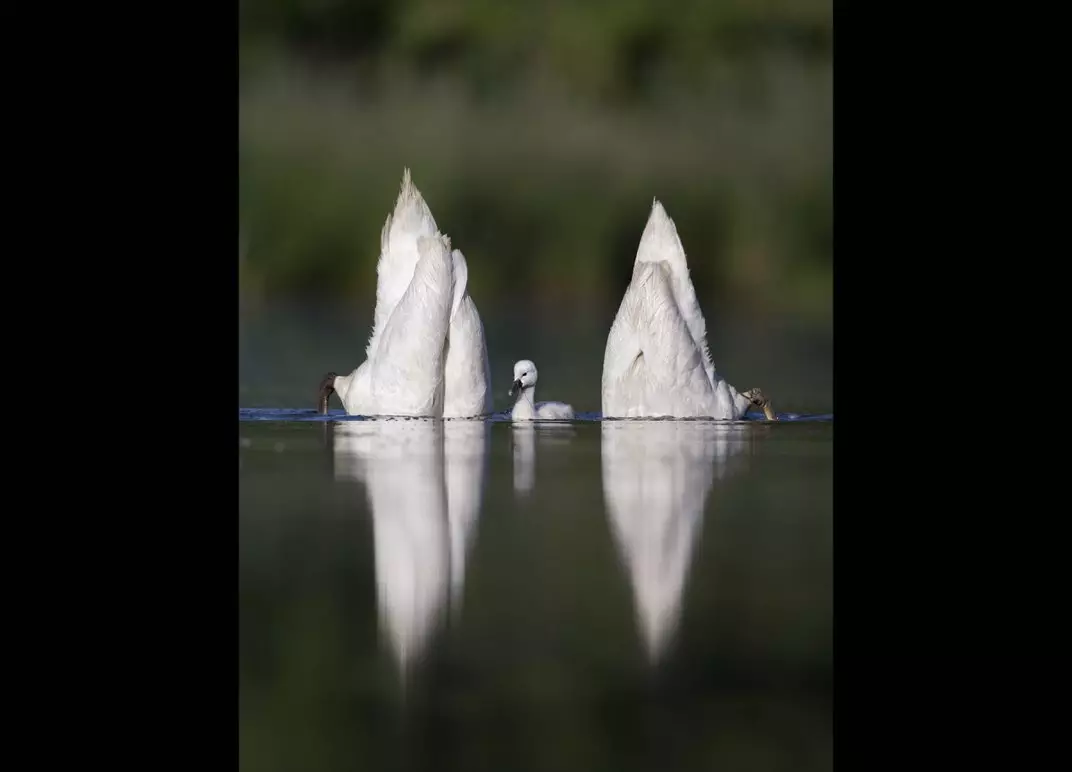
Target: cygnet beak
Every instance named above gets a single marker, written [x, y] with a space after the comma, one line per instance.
[515, 387]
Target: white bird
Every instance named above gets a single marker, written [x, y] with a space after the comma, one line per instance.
[427, 354]
[656, 362]
[525, 407]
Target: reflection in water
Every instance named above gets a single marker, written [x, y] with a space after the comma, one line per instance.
[424, 480]
[523, 438]
[656, 479]
[465, 457]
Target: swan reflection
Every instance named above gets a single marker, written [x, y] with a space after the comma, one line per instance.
[657, 476]
[424, 480]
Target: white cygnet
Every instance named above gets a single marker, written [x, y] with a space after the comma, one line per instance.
[524, 393]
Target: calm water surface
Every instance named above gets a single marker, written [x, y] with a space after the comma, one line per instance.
[470, 595]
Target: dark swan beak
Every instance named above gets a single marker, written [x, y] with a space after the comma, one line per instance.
[760, 400]
[327, 386]
[516, 387]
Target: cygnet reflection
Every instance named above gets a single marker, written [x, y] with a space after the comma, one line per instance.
[524, 438]
[657, 476]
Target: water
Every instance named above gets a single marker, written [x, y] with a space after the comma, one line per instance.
[595, 595]
[335, 415]
[590, 595]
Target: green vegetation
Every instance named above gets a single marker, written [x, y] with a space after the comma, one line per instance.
[539, 132]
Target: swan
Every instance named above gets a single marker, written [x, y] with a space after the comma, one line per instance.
[656, 362]
[427, 355]
[525, 407]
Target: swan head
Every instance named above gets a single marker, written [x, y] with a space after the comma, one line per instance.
[327, 386]
[760, 400]
[524, 376]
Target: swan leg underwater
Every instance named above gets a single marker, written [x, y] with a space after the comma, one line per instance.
[657, 363]
[525, 407]
[427, 355]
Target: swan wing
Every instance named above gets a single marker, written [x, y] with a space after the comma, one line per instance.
[652, 365]
[410, 221]
[467, 375]
[406, 373]
[660, 243]
[555, 411]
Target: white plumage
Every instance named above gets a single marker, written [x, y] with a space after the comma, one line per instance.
[524, 392]
[656, 362]
[427, 354]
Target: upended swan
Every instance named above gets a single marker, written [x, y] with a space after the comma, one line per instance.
[427, 355]
[656, 362]
[525, 407]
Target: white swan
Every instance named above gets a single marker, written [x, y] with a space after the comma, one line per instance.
[656, 362]
[427, 354]
[424, 481]
[525, 407]
[657, 476]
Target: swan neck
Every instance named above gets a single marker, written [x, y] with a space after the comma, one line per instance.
[524, 406]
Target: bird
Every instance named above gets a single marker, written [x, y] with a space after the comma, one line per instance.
[656, 362]
[525, 407]
[427, 354]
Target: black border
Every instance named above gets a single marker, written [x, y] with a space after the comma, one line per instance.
[122, 153]
[904, 266]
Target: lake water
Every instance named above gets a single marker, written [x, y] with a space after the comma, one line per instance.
[471, 595]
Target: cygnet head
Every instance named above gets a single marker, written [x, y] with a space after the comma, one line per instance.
[524, 376]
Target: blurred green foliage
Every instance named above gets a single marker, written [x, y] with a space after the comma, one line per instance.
[539, 133]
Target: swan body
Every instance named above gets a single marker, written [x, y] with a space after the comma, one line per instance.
[525, 407]
[656, 362]
[467, 382]
[427, 355]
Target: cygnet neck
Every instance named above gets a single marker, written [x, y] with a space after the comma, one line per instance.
[525, 402]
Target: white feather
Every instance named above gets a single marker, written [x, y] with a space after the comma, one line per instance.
[656, 362]
[427, 355]
[525, 406]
